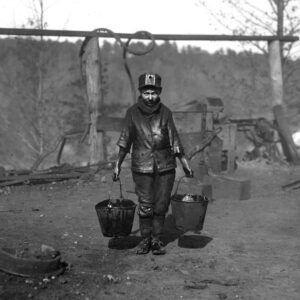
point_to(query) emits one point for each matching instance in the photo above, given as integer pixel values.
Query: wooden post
(228, 135)
(280, 19)
(288, 145)
(92, 77)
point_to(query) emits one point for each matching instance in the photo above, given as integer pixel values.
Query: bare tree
(247, 17)
(37, 135)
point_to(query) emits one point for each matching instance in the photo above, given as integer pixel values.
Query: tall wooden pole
(91, 71)
(280, 19)
(275, 66)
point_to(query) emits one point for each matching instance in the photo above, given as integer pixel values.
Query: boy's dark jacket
(152, 134)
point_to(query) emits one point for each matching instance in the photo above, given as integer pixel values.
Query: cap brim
(150, 87)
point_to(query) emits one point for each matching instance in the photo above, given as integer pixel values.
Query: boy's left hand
(186, 167)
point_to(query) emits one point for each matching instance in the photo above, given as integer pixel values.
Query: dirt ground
(248, 249)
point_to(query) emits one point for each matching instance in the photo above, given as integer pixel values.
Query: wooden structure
(198, 123)
(198, 133)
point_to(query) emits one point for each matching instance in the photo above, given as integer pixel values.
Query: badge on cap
(150, 79)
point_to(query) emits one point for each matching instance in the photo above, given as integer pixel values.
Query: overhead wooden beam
(165, 37)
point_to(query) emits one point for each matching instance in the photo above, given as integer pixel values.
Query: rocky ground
(248, 249)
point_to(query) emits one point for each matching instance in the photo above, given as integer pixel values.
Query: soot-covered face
(150, 96)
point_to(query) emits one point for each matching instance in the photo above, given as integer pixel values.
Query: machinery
(209, 139)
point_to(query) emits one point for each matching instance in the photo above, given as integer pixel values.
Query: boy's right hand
(116, 173)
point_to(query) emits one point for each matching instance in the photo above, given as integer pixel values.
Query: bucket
(116, 215)
(189, 210)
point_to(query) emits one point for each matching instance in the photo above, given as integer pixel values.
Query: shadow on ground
(185, 239)
(122, 243)
(193, 241)
(171, 233)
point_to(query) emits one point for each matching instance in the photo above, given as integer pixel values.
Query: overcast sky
(126, 16)
(169, 16)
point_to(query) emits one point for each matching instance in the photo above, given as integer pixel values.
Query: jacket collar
(146, 109)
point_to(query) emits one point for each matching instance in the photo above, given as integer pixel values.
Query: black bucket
(116, 216)
(189, 210)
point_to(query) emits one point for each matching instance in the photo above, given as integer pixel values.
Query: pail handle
(110, 190)
(179, 181)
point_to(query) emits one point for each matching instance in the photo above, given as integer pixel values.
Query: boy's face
(150, 96)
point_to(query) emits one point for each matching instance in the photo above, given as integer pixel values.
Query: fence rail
(166, 37)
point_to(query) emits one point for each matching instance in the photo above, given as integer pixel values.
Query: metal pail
(189, 210)
(116, 216)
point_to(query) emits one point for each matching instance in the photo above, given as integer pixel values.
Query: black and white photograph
(150, 149)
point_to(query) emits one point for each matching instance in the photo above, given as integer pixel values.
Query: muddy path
(248, 249)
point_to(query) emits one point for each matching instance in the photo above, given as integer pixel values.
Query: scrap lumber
(57, 173)
(33, 178)
(291, 185)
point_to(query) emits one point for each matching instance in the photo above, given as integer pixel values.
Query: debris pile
(53, 174)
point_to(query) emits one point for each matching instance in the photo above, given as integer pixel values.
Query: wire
(126, 49)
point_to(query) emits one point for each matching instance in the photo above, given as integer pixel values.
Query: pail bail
(110, 203)
(188, 197)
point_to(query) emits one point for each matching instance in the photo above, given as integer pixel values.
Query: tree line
(42, 93)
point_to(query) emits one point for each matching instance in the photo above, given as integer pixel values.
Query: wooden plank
(40, 177)
(292, 185)
(171, 37)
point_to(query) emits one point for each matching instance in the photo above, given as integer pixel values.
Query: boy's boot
(157, 246)
(146, 230)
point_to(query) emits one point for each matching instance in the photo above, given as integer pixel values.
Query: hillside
(42, 93)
